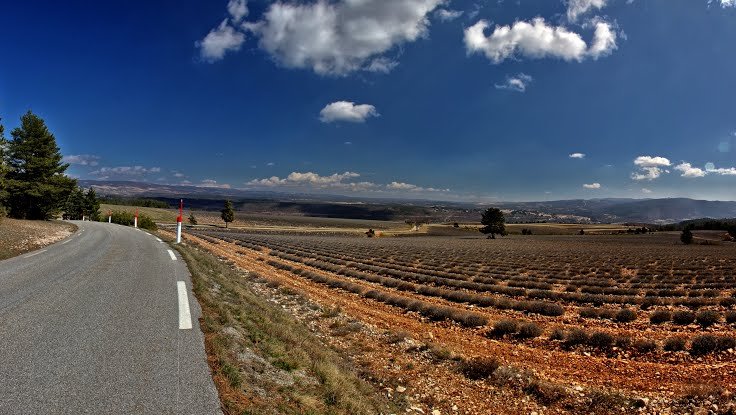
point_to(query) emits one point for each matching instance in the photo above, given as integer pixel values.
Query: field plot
(567, 323)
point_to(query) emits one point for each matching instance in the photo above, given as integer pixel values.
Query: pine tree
(686, 236)
(75, 206)
(494, 222)
(92, 205)
(228, 215)
(3, 169)
(36, 182)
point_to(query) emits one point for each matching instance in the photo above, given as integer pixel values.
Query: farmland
(555, 323)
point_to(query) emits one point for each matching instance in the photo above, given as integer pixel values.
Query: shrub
(726, 342)
(660, 316)
(557, 334)
(479, 368)
(504, 327)
(607, 314)
(674, 344)
(703, 344)
(625, 315)
(731, 317)
(588, 312)
(622, 342)
(683, 318)
(644, 345)
(529, 330)
(575, 337)
(600, 340)
(707, 318)
(545, 392)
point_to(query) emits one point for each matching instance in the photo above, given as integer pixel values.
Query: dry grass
(157, 214)
(20, 236)
(265, 361)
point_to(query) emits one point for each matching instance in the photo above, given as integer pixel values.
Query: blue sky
(448, 100)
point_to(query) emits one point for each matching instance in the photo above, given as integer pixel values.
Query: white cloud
(339, 37)
(124, 171)
(537, 39)
(381, 65)
(237, 10)
(645, 190)
(340, 181)
(577, 155)
(723, 3)
(604, 40)
(213, 184)
(82, 159)
(711, 168)
(576, 8)
(650, 167)
(347, 111)
(688, 170)
(649, 161)
(219, 41)
(592, 186)
(516, 83)
(447, 15)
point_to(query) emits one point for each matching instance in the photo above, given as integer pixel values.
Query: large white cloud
(688, 170)
(347, 111)
(650, 167)
(339, 181)
(339, 37)
(576, 8)
(219, 41)
(237, 9)
(537, 39)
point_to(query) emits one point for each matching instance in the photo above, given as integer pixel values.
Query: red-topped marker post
(135, 219)
(109, 216)
(179, 220)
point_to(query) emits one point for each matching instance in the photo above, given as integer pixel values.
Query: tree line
(33, 183)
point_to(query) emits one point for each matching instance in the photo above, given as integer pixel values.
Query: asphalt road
(91, 324)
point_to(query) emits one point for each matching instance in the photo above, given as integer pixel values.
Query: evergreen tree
(686, 236)
(36, 183)
(494, 223)
(3, 169)
(75, 206)
(92, 205)
(228, 214)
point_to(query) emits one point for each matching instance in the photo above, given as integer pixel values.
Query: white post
(109, 218)
(135, 222)
(178, 232)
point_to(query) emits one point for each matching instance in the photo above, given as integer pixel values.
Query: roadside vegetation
(263, 360)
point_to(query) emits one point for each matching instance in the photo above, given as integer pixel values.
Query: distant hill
(612, 210)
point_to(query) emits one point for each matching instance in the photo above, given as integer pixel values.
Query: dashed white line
(185, 316)
(171, 254)
(35, 253)
(65, 241)
(159, 239)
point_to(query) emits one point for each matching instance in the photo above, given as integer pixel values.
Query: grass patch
(284, 351)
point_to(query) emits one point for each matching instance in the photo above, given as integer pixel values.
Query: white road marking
(66, 241)
(159, 239)
(35, 253)
(185, 316)
(171, 254)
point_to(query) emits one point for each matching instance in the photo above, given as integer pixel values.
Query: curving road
(98, 323)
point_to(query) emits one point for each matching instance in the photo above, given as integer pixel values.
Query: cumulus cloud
(516, 83)
(688, 170)
(592, 186)
(347, 111)
(576, 8)
(650, 167)
(645, 190)
(336, 38)
(339, 181)
(710, 168)
(723, 3)
(447, 15)
(82, 159)
(126, 172)
(212, 184)
(537, 39)
(577, 155)
(220, 40)
(237, 9)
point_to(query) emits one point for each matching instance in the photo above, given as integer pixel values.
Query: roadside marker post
(135, 220)
(179, 220)
(109, 216)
